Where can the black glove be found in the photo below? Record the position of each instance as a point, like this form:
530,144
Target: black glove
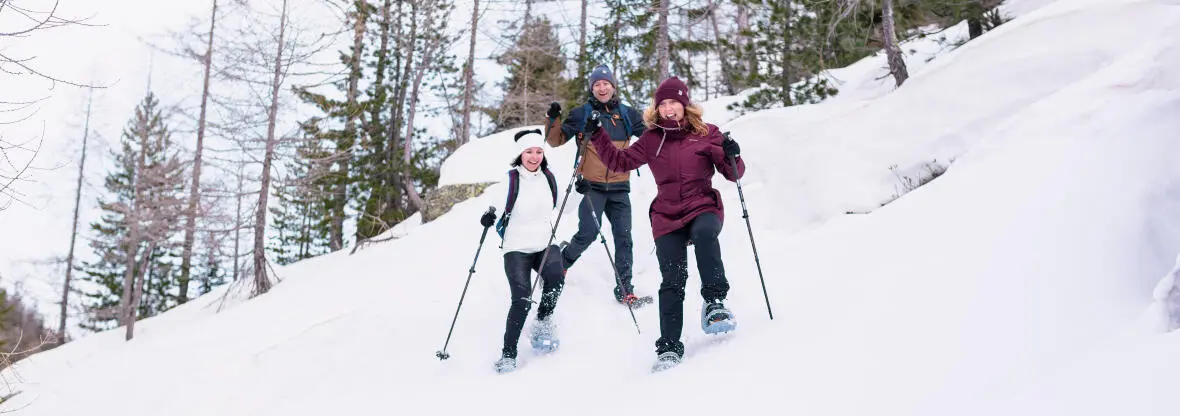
592,125
582,185
731,147
487,219
554,110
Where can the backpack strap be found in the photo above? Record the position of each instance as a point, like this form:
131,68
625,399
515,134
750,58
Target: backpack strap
552,184
513,189
625,111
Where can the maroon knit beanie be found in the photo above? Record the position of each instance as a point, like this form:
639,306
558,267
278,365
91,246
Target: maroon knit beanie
673,88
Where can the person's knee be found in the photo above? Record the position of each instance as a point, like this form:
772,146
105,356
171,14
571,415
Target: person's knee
623,240
675,278
519,289
555,278
706,229
522,304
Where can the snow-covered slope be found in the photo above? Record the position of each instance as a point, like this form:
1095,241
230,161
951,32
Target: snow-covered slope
1019,282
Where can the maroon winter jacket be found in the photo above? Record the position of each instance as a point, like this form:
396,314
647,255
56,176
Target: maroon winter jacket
683,166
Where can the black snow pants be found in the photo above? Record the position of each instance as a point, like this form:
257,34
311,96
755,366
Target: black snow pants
518,267
617,206
672,254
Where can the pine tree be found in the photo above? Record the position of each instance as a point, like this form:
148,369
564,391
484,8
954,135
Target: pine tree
626,42
377,194
140,217
348,112
300,218
535,66
787,43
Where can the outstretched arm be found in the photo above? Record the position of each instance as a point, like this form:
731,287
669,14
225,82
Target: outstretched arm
558,134
553,134
620,160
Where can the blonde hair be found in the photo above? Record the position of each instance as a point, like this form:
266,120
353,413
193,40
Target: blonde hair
694,114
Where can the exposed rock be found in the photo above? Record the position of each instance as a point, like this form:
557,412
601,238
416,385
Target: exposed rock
442,199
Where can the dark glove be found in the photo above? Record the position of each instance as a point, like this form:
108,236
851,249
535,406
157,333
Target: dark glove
554,110
487,219
592,125
582,185
731,147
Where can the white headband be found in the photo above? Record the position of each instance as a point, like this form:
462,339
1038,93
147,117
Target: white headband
528,141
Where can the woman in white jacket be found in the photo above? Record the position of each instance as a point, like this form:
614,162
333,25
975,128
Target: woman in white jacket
525,229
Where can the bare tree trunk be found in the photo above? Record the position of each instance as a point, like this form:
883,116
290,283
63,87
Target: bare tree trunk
615,53
582,43
728,71
261,281
408,150
238,223
528,12
397,110
65,291
133,220
892,50
190,225
340,193
750,67
137,291
662,42
468,78
786,76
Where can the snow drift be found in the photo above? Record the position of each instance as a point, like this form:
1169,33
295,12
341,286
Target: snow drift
1020,281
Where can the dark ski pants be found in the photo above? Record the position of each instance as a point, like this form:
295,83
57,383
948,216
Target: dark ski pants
672,254
518,267
617,206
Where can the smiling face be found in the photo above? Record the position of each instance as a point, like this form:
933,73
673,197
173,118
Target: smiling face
603,90
670,109
531,158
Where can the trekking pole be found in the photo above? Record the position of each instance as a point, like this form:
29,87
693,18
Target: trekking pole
746,216
618,276
553,232
442,355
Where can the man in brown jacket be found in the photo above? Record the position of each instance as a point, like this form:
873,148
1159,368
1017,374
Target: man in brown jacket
603,190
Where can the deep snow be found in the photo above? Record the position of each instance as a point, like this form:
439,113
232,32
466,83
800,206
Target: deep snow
1019,282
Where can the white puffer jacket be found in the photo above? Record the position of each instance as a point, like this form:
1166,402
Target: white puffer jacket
532,216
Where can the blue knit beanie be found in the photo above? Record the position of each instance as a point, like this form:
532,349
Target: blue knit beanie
601,72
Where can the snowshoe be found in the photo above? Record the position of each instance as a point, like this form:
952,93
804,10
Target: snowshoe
716,318
543,336
665,361
636,301
505,365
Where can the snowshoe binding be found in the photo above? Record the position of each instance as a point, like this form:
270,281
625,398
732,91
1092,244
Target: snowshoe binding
665,361
630,299
505,365
716,318
636,301
543,336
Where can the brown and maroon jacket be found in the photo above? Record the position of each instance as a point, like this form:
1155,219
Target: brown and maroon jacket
600,178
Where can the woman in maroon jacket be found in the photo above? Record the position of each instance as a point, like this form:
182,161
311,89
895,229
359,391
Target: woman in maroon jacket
682,152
